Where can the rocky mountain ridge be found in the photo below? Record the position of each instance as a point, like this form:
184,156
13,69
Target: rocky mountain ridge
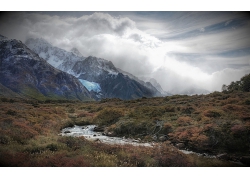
24,72
113,82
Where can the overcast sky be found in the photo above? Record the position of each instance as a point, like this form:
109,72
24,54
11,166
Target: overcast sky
178,49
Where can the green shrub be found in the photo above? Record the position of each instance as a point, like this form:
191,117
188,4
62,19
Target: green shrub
52,147
213,113
108,116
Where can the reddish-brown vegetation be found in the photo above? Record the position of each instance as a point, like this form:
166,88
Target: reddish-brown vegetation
215,123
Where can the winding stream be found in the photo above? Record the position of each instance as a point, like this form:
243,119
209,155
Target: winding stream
88,133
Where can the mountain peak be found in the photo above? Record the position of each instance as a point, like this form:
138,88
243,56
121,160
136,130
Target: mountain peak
37,42
24,72
76,52
57,57
101,64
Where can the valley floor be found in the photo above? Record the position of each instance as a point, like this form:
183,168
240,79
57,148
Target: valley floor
217,124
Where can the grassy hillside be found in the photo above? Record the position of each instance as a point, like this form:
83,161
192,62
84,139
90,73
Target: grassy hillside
218,123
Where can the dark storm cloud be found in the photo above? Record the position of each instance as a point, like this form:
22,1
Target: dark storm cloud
205,49
43,25
214,28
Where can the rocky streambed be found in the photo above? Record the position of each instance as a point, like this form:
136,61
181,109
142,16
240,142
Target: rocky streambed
89,133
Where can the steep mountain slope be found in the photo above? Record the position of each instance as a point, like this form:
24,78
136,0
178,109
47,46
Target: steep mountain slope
24,72
99,76
148,84
112,82
8,93
55,56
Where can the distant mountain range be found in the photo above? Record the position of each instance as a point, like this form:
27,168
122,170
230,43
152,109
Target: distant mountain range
98,75
24,73
40,70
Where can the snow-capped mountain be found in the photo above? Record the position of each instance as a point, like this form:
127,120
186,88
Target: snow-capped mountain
24,72
112,83
55,56
76,52
92,68
98,75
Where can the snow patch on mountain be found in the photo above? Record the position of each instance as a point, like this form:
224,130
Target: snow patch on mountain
91,86
107,66
59,58
76,52
23,71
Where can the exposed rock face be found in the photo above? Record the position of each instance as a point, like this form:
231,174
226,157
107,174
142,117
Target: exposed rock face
24,72
8,93
76,52
113,83
147,84
94,71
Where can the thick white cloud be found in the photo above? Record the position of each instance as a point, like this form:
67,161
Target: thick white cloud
217,42
118,39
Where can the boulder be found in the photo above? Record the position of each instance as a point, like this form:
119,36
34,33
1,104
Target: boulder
67,132
162,138
180,145
98,129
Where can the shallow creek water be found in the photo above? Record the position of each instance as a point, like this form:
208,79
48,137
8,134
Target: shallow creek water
89,133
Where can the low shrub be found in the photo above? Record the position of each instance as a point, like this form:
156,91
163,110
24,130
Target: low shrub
108,116
213,113
184,120
52,147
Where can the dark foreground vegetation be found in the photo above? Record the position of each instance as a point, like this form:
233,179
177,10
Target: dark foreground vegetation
217,124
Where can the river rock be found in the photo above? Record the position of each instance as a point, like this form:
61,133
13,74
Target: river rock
180,145
98,129
67,132
162,138
110,133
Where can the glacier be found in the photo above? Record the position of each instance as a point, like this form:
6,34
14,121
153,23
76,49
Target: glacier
91,86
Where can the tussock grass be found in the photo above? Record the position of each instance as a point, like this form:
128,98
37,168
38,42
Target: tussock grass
215,123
